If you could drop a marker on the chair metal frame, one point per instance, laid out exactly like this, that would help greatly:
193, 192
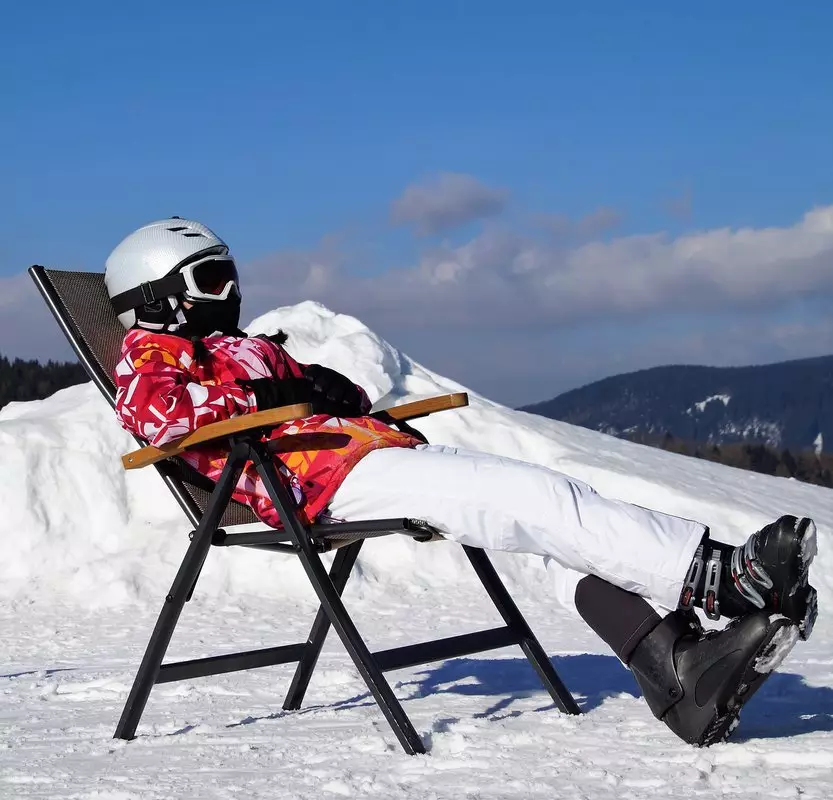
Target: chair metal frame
306, 542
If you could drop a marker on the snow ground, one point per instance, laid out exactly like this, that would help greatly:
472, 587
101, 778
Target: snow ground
89, 552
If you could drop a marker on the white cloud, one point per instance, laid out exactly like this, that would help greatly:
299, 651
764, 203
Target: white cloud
446, 201
529, 282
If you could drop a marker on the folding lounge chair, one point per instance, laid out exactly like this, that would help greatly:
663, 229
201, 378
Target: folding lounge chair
80, 304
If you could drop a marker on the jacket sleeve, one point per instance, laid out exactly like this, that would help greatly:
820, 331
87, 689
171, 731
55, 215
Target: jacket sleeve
159, 401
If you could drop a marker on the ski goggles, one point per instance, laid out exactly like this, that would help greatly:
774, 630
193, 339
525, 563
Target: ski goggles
210, 278
213, 277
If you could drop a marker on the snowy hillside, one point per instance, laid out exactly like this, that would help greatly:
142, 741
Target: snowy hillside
89, 551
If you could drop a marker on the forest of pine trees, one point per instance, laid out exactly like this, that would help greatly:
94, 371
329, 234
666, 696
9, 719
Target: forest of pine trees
802, 465
31, 380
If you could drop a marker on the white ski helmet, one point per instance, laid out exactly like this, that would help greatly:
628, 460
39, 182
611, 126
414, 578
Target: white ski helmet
164, 260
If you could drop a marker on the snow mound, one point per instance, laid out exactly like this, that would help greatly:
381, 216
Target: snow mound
76, 527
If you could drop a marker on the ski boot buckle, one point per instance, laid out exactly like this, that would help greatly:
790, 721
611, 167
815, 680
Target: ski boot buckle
711, 605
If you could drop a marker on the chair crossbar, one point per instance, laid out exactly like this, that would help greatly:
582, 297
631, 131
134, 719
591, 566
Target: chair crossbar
366, 529
230, 662
441, 649
326, 537
80, 305
275, 547
223, 539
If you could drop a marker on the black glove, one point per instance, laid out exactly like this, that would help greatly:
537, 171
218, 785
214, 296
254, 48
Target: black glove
334, 393
273, 393
278, 338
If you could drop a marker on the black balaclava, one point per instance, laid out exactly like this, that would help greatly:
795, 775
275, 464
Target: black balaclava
212, 316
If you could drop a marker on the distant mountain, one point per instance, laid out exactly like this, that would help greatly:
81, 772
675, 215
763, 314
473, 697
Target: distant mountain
789, 404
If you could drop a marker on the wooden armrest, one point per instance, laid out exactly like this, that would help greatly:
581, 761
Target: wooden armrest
217, 430
275, 416
422, 408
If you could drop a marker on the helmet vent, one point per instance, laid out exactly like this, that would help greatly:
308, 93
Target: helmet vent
178, 229
192, 234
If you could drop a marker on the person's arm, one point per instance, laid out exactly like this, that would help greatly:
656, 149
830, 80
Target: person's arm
159, 401
330, 392
337, 392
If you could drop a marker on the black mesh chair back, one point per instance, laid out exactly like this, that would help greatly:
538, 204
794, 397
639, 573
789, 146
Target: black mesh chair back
81, 306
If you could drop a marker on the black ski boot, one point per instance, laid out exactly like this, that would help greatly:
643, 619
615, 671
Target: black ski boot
769, 572
696, 682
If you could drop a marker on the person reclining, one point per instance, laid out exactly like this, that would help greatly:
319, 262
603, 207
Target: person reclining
185, 364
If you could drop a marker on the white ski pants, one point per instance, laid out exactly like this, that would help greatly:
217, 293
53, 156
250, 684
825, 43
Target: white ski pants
503, 504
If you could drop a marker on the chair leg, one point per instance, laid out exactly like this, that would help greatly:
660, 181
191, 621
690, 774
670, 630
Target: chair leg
193, 582
339, 574
175, 600
335, 610
515, 620
361, 655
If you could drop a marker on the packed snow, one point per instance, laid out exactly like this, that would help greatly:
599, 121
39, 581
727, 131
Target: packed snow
90, 551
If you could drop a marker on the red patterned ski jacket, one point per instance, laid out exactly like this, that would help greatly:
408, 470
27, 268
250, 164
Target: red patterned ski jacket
163, 393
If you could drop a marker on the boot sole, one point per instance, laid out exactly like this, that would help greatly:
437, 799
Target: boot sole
774, 649
799, 601
808, 549
805, 627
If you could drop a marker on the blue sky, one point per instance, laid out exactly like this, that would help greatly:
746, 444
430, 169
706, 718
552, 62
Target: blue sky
381, 139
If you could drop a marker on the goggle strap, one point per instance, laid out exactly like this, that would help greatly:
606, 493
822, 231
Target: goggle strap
149, 292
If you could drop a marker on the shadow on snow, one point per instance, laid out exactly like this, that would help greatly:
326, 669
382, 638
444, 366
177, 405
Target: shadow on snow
784, 706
